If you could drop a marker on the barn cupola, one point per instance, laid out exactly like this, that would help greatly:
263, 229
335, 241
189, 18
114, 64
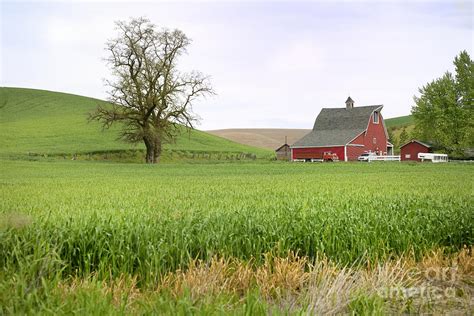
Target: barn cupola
349, 103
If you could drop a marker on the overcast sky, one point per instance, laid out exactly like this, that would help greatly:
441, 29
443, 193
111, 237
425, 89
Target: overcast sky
272, 63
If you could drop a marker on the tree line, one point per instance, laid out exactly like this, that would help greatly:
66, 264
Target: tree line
443, 112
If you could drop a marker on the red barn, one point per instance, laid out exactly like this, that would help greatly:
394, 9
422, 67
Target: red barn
410, 150
347, 132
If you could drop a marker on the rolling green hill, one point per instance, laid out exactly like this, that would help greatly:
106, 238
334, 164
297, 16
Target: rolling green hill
396, 125
42, 122
399, 122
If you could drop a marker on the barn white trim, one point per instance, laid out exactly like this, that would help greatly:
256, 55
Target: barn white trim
379, 109
363, 132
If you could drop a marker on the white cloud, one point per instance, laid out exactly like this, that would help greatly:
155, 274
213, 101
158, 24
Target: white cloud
298, 55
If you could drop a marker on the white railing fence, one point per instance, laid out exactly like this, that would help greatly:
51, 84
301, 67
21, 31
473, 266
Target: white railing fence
384, 158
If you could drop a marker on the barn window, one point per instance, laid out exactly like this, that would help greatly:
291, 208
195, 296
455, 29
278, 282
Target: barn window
374, 140
376, 117
407, 156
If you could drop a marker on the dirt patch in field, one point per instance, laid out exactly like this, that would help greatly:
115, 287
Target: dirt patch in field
270, 138
14, 220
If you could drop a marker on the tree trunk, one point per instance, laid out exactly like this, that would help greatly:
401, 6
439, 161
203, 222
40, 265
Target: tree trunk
153, 149
157, 150
149, 144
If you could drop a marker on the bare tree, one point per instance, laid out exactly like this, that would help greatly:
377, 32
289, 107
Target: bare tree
148, 95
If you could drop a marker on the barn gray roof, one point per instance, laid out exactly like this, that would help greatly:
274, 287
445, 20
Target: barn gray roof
337, 126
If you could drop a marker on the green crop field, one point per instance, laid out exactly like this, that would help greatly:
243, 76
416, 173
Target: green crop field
38, 122
96, 222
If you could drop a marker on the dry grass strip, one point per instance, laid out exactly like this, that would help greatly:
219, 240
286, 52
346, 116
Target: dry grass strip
437, 284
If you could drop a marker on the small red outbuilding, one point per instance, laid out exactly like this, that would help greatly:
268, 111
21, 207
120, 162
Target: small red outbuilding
410, 150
